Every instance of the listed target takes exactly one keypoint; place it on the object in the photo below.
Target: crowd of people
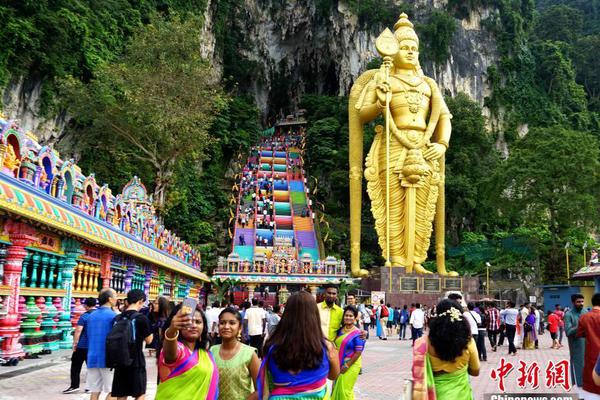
(305, 348)
(223, 352)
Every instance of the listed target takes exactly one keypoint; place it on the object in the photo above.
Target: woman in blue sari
(299, 358)
(378, 327)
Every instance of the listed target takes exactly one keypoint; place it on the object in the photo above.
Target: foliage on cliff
(51, 40)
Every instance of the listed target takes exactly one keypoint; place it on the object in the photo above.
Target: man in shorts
(99, 324)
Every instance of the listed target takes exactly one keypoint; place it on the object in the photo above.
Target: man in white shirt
(474, 319)
(417, 320)
(255, 320)
(212, 320)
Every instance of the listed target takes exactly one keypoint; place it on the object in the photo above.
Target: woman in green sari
(186, 368)
(443, 361)
(350, 347)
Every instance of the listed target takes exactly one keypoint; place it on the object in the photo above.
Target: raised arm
(179, 321)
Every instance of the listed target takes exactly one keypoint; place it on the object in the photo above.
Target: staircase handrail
(287, 161)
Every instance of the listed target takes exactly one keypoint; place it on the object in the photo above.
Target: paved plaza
(386, 365)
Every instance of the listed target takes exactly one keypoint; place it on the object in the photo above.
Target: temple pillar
(71, 248)
(21, 236)
(105, 271)
(129, 275)
(314, 289)
(147, 281)
(251, 289)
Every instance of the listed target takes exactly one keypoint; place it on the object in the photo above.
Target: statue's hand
(383, 87)
(434, 151)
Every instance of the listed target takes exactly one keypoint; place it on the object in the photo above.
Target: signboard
(431, 285)
(452, 284)
(532, 299)
(377, 296)
(409, 284)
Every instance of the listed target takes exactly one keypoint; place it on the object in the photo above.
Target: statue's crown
(404, 29)
(403, 21)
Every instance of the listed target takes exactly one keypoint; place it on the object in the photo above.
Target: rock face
(21, 100)
(298, 49)
(325, 54)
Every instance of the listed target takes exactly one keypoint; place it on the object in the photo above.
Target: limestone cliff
(325, 54)
(298, 49)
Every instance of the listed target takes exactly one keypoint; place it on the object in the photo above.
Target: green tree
(586, 64)
(559, 23)
(470, 160)
(435, 35)
(551, 180)
(160, 97)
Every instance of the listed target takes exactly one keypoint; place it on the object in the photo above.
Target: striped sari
(427, 386)
(193, 376)
(348, 344)
(275, 384)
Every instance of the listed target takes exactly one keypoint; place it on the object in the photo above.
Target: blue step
(314, 253)
(245, 252)
(297, 186)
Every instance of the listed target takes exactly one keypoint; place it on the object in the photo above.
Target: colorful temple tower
(64, 237)
(275, 246)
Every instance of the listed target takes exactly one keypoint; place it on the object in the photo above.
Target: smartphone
(188, 307)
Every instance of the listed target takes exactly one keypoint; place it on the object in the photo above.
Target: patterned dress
(235, 380)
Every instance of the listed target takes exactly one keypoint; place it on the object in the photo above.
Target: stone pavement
(386, 365)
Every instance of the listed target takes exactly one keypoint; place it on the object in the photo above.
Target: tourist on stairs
(238, 363)
(186, 368)
(350, 347)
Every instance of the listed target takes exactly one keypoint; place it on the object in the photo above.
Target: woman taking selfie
(185, 367)
(238, 364)
(350, 347)
(299, 359)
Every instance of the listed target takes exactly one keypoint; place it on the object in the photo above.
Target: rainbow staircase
(279, 176)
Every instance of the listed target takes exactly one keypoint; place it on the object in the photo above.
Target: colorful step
(298, 198)
(305, 239)
(297, 186)
(314, 253)
(247, 234)
(245, 252)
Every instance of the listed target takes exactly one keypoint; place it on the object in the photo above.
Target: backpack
(120, 342)
(384, 312)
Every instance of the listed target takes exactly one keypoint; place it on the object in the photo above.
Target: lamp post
(568, 269)
(584, 255)
(487, 273)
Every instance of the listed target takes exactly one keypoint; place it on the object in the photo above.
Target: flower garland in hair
(454, 314)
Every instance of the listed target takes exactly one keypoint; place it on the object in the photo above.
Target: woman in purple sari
(530, 339)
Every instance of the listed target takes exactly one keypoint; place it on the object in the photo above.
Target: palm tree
(223, 285)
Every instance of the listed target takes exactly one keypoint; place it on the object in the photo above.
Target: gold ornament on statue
(405, 166)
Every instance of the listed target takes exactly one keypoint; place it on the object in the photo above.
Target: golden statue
(404, 168)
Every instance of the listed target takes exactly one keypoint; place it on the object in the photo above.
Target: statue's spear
(387, 46)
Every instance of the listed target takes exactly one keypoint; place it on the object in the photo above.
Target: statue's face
(408, 56)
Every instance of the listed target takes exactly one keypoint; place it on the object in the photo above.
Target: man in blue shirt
(80, 345)
(99, 324)
(403, 321)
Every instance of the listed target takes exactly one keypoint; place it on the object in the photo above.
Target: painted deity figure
(412, 155)
(11, 162)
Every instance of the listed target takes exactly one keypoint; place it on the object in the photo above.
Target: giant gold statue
(404, 168)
